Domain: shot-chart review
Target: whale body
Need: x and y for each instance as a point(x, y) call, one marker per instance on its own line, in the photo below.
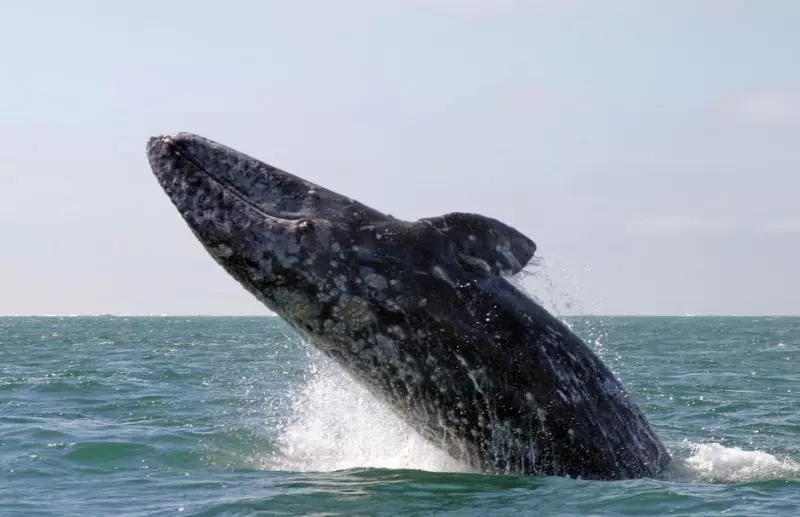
point(420, 312)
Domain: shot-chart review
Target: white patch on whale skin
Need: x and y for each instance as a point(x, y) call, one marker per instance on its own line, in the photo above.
point(611, 387)
point(554, 333)
point(340, 282)
point(397, 331)
point(286, 257)
point(506, 253)
point(440, 273)
point(392, 305)
point(357, 346)
point(223, 251)
point(375, 281)
point(386, 351)
point(476, 262)
point(354, 311)
point(294, 303)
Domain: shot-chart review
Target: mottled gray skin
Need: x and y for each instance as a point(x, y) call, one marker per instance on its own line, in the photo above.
point(419, 312)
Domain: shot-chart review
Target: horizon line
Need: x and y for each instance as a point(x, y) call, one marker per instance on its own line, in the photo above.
point(272, 315)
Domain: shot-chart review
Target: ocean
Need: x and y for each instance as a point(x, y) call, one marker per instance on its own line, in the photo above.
point(217, 416)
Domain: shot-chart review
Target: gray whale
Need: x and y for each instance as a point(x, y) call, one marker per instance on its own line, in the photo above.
point(418, 312)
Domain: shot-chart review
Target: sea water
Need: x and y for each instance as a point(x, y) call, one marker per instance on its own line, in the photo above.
point(213, 416)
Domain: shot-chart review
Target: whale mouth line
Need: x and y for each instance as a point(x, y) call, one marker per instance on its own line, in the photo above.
point(226, 186)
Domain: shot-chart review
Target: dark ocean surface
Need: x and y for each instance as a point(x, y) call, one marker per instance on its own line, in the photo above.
point(203, 416)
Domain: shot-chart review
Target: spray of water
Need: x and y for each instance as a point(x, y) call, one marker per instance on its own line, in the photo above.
point(549, 283)
point(716, 463)
point(337, 424)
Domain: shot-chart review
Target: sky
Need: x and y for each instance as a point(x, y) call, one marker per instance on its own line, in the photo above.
point(651, 149)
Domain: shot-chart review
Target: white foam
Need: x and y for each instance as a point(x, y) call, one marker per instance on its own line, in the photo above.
point(716, 463)
point(337, 424)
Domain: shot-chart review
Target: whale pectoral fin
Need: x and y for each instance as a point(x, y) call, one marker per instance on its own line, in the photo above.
point(484, 242)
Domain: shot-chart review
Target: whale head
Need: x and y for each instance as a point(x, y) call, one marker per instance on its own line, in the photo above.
point(314, 256)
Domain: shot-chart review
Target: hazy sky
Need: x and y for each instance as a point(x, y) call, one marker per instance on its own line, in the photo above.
point(650, 148)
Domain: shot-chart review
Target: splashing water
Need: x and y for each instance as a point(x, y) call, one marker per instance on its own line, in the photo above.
point(716, 463)
point(553, 280)
point(337, 424)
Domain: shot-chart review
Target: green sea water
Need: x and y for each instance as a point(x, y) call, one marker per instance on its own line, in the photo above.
point(144, 416)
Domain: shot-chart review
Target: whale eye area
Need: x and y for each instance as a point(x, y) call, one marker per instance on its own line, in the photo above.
point(304, 227)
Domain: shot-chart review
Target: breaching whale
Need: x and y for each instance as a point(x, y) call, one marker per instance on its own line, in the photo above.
point(421, 313)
